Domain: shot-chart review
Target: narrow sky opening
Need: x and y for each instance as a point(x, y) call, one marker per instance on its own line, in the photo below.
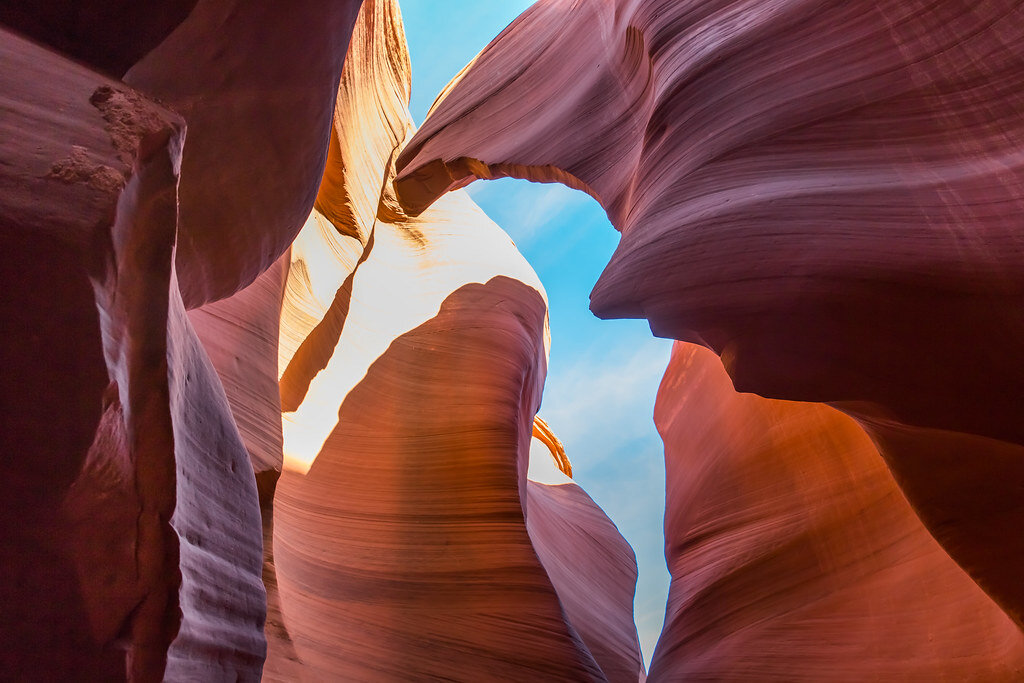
point(603, 375)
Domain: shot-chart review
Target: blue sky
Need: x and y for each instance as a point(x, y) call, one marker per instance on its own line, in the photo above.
point(603, 375)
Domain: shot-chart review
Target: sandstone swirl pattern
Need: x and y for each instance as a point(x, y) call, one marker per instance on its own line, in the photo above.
point(794, 556)
point(827, 194)
point(412, 360)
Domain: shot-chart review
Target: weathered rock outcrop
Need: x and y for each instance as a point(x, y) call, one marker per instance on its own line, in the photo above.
point(411, 359)
point(130, 528)
point(400, 541)
point(794, 556)
point(411, 355)
point(826, 194)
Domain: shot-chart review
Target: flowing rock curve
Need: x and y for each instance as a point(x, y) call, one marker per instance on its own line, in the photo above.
point(794, 556)
point(826, 194)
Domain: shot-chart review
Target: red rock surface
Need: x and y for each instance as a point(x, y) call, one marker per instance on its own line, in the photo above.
point(130, 527)
point(794, 556)
point(109, 35)
point(826, 194)
point(258, 103)
point(400, 545)
point(240, 335)
point(412, 359)
point(403, 552)
point(593, 569)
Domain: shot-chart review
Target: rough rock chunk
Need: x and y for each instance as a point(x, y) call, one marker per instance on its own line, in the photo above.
point(131, 530)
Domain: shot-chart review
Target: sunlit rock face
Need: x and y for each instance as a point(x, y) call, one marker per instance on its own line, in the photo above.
point(826, 194)
point(412, 358)
point(130, 527)
point(408, 354)
point(794, 556)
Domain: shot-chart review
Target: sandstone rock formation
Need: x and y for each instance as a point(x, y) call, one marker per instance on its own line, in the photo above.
point(593, 570)
point(412, 359)
point(130, 528)
point(245, 226)
point(241, 334)
point(826, 194)
point(262, 78)
point(794, 556)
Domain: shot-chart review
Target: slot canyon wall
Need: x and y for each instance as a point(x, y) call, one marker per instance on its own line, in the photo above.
point(828, 195)
point(271, 376)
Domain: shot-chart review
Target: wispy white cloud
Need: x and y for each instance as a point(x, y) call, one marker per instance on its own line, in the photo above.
point(606, 398)
point(601, 406)
point(525, 210)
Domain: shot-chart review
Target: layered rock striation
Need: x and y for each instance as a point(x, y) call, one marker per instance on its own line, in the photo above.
point(130, 527)
point(412, 361)
point(795, 557)
point(826, 194)
point(247, 308)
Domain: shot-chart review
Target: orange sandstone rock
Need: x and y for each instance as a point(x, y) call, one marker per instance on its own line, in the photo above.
point(794, 556)
point(412, 358)
point(826, 194)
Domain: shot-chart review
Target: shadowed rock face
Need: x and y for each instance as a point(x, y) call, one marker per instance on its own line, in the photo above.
point(783, 177)
point(108, 35)
point(411, 357)
point(794, 556)
point(258, 102)
point(131, 533)
point(240, 335)
point(411, 354)
point(826, 194)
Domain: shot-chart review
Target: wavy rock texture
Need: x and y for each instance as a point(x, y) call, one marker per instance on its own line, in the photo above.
point(240, 335)
point(400, 545)
point(130, 533)
point(370, 121)
point(826, 194)
point(795, 557)
point(593, 569)
point(254, 336)
point(258, 104)
point(412, 358)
